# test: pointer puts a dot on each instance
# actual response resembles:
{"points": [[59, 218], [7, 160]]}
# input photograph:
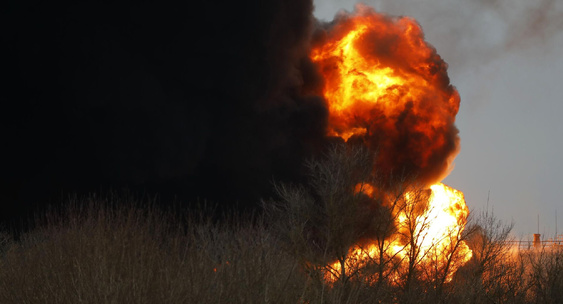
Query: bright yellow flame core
{"points": [[360, 80], [437, 233], [446, 213], [362, 84]]}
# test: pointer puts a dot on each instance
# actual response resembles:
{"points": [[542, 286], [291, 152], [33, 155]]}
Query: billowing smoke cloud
{"points": [[209, 100], [476, 32], [389, 90]]}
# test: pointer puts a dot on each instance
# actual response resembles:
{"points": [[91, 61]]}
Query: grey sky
{"points": [[506, 59]]}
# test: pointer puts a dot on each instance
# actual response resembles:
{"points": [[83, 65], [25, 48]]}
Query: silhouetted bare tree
{"points": [[320, 222]]}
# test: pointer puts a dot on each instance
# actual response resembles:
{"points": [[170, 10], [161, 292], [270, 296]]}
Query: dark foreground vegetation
{"points": [[117, 249], [97, 253]]}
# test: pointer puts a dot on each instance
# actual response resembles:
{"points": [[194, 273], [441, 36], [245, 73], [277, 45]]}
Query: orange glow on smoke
{"points": [[387, 89]]}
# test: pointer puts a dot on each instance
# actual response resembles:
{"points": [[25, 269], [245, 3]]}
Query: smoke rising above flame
{"points": [[388, 89]]}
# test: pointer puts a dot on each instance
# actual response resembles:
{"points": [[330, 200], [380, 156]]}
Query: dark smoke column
{"points": [[205, 99]]}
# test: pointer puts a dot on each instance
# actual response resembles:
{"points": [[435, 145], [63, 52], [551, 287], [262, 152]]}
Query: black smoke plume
{"points": [[210, 100], [192, 101]]}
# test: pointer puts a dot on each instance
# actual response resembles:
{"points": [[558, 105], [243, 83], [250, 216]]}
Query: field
{"points": [[113, 250]]}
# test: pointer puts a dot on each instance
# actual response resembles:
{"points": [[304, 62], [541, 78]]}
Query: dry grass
{"points": [[102, 254], [95, 252]]}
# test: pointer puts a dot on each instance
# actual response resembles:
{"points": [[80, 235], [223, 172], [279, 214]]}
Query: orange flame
{"points": [[388, 89], [436, 232]]}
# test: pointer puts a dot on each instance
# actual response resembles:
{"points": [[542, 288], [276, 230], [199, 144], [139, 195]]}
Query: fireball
{"points": [[388, 89]]}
